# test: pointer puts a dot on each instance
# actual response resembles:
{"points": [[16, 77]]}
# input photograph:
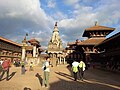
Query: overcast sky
{"points": [[37, 18]]}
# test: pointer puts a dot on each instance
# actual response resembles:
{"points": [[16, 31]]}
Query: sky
{"points": [[37, 18]]}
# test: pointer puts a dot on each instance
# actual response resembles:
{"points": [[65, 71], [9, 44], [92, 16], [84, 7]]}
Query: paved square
{"points": [[61, 79]]}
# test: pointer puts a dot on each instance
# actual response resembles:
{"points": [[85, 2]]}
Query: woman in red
{"points": [[6, 66]]}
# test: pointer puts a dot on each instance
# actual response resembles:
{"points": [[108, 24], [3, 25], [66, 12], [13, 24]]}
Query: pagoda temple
{"points": [[55, 48], [31, 50], [95, 34]]}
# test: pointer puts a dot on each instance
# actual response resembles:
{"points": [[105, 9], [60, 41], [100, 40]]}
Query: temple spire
{"points": [[55, 27]]}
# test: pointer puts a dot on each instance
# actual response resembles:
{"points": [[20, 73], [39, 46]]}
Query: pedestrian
{"points": [[1, 67], [75, 65], [1, 61], [31, 66], [46, 69], [5, 66], [81, 69], [23, 67]]}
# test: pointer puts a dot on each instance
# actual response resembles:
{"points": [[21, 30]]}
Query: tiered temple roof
{"points": [[92, 41], [97, 27], [109, 40], [34, 42], [97, 31]]}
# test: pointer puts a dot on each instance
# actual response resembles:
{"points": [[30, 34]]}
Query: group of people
{"points": [[23, 69], [5, 66], [78, 68]]}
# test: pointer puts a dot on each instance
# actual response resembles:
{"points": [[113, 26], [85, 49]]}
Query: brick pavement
{"points": [[61, 79]]}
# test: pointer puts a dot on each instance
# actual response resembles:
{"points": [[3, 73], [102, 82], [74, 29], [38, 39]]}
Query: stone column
{"points": [[63, 60], [60, 60], [23, 53], [34, 51], [37, 52]]}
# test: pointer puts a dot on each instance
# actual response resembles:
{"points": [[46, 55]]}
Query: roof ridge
{"points": [[10, 41]]}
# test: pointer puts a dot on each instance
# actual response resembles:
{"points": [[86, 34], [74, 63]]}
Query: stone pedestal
{"points": [[34, 51], [23, 53]]}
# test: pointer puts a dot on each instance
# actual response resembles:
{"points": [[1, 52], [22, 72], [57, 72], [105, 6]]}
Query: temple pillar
{"points": [[63, 60], [34, 51], [23, 53], [37, 52], [60, 60]]}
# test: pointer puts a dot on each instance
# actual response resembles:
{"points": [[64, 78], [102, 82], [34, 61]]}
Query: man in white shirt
{"points": [[75, 65], [81, 69], [46, 70]]}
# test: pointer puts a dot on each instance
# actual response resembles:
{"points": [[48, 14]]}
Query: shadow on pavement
{"points": [[27, 88], [80, 85], [10, 76], [91, 82], [64, 75], [39, 78]]}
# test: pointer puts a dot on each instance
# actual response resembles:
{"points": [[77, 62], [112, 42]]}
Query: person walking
{"points": [[46, 69], [5, 66], [31, 66], [23, 67], [1, 68], [81, 69], [75, 65]]}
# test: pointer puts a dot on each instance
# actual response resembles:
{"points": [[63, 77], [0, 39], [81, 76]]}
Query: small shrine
{"points": [[31, 50]]}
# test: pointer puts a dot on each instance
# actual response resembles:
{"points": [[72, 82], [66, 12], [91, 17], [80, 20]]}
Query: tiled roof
{"points": [[33, 40], [71, 43], [91, 41], [110, 39], [41, 49], [9, 41], [97, 27], [29, 47]]}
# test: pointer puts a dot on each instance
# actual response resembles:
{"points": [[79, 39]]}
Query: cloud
{"points": [[59, 15], [18, 17], [71, 2], [51, 4], [84, 16]]}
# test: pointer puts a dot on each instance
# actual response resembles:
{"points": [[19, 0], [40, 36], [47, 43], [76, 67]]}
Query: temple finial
{"points": [[25, 36], [96, 23], [55, 23]]}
